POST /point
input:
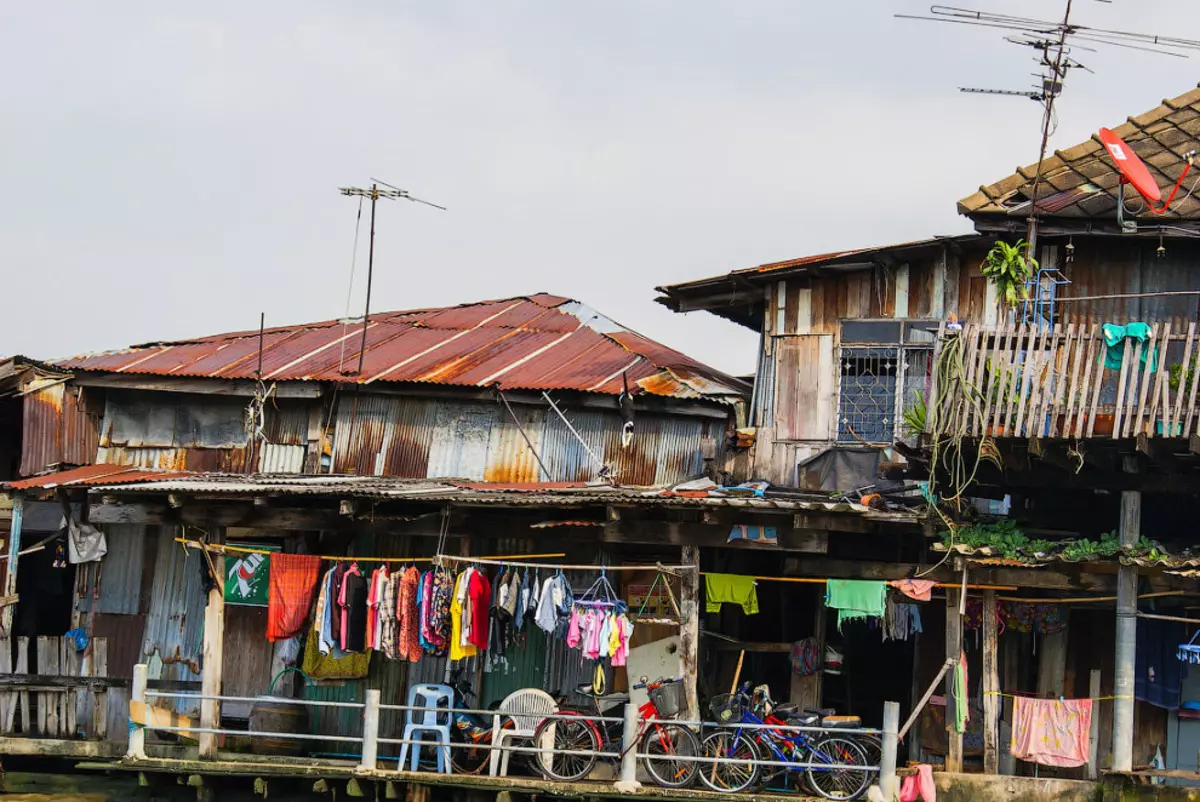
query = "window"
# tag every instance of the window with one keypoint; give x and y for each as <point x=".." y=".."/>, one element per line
<point x="883" y="366"/>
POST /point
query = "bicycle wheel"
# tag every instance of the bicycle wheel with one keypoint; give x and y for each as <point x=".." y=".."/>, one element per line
<point x="673" y="746"/>
<point x="725" y="775"/>
<point x="468" y="759"/>
<point x="844" y="782"/>
<point x="872" y="745"/>
<point x="566" y="735"/>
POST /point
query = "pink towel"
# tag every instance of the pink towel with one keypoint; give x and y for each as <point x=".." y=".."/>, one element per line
<point x="919" y="785"/>
<point x="1052" y="732"/>
<point x="919" y="589"/>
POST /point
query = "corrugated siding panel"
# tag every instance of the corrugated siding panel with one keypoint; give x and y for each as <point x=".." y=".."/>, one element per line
<point x="526" y="668"/>
<point x="287" y="424"/>
<point x="57" y="430"/>
<point x="121" y="572"/>
<point x="459" y="448"/>
<point x="172" y="644"/>
<point x="281" y="458"/>
<point x="679" y="455"/>
<point x="124" y="634"/>
<point x="565" y="457"/>
<point x="383" y="435"/>
<point x="636" y="463"/>
<point x="247" y="665"/>
<point x="144" y="457"/>
<point x="337" y="720"/>
<point x="509" y="456"/>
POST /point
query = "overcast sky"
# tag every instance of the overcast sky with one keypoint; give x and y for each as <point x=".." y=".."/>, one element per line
<point x="170" y="170"/>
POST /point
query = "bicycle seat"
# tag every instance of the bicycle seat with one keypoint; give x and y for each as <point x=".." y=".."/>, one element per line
<point x="820" y="711"/>
<point x="786" y="710"/>
<point x="841" y="722"/>
<point x="589" y="691"/>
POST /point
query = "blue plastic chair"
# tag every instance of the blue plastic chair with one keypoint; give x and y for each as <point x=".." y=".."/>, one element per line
<point x="435" y="717"/>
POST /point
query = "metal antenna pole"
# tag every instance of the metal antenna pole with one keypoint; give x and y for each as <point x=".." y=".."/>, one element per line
<point x="1056" y="78"/>
<point x="375" y="193"/>
<point x="362" y="350"/>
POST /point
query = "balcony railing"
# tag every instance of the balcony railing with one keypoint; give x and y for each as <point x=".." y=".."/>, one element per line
<point x="1026" y="382"/>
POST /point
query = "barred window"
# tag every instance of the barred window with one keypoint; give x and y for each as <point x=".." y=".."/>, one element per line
<point x="880" y="379"/>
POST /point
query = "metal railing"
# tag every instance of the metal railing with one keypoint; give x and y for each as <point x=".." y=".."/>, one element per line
<point x="633" y="729"/>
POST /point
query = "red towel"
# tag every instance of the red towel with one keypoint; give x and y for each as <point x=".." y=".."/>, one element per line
<point x="293" y="579"/>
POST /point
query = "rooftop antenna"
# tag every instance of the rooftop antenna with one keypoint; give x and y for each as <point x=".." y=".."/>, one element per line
<point x="375" y="193"/>
<point x="1053" y="41"/>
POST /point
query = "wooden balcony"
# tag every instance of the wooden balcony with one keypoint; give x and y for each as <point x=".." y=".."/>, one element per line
<point x="1022" y="381"/>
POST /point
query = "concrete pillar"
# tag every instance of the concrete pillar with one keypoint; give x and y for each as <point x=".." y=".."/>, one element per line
<point x="1127" y="581"/>
<point x="887" y="763"/>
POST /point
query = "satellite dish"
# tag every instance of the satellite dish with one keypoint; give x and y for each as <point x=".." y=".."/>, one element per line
<point x="1134" y="171"/>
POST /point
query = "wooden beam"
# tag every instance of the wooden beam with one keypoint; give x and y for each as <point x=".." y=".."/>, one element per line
<point x="689" y="628"/>
<point x="213" y="656"/>
<point x="239" y="387"/>
<point x="991" y="686"/>
<point x="51" y="747"/>
<point x="953" y="651"/>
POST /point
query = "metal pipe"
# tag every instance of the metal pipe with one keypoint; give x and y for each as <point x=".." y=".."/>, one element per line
<point x="887" y="761"/>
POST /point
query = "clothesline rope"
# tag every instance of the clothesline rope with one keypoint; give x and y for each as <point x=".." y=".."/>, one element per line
<point x="821" y="581"/>
<point x="505" y="562"/>
<point x="221" y="548"/>
<point x="1064" y="699"/>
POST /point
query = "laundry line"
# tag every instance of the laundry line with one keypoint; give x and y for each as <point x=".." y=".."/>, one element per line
<point x="221" y="549"/>
<point x="669" y="569"/>
<point x="821" y="581"/>
<point x="1052" y="699"/>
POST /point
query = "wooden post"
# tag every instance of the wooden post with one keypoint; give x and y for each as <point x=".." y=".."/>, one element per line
<point x="1093" y="765"/>
<point x="1127" y="580"/>
<point x="689" y="628"/>
<point x="214" y="636"/>
<point x="137" y="733"/>
<point x="14" y="547"/>
<point x="953" y="652"/>
<point x="991" y="686"/>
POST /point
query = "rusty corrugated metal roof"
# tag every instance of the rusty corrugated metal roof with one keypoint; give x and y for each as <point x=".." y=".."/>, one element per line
<point x="537" y="342"/>
<point x="94" y="475"/>
<point x="1082" y="181"/>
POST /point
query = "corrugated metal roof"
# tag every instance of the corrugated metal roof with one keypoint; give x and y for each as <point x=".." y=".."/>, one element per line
<point x="1082" y="182"/>
<point x="538" y="342"/>
<point x="92" y="475"/>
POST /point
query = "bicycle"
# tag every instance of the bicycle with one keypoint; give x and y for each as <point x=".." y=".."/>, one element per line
<point x="669" y="749"/>
<point x="473" y="731"/>
<point x="739" y="750"/>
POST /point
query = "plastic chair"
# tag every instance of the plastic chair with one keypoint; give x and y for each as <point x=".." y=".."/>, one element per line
<point x="526" y="708"/>
<point x="435" y="717"/>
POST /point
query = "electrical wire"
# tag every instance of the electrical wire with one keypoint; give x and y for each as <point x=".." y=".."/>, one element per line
<point x="350" y="287"/>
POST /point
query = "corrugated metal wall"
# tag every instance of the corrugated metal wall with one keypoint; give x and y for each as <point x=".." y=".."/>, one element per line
<point x="175" y="620"/>
<point x="121" y="570"/>
<point x="412" y="437"/>
<point x="57" y="430"/>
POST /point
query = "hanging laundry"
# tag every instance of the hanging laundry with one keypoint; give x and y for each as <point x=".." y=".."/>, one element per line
<point x="554" y="601"/>
<point x="460" y="608"/>
<point x="293" y="580"/>
<point x="1052" y="732"/>
<point x="379" y="579"/>
<point x="961" y="711"/>
<point x="765" y="535"/>
<point x="624" y="632"/>
<point x="1114" y="344"/>
<point x="323" y="616"/>
<point x="318" y="665"/>
<point x="919" y="786"/>
<point x="855" y="599"/>
<point x="917" y="589"/>
<point x="334" y="604"/>
<point x="352" y="599"/>
<point x="408" y="643"/>
<point x="900" y="620"/>
<point x="730" y="589"/>
<point x="479" y="594"/>
<point x="441" y="589"/>
<point x="806" y="657"/>
<point x="389" y="614"/>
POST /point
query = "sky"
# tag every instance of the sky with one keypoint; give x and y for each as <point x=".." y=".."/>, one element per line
<point x="171" y="170"/>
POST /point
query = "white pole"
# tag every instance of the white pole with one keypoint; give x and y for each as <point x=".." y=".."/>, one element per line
<point x="887" y="763"/>
<point x="370" y="749"/>
<point x="137" y="736"/>
<point x="628" y="782"/>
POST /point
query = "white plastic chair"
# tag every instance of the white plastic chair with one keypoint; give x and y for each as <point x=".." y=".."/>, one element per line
<point x="527" y="708"/>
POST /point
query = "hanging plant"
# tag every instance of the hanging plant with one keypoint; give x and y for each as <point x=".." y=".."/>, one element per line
<point x="1009" y="268"/>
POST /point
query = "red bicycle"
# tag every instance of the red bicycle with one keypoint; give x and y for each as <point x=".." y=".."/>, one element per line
<point x="668" y="750"/>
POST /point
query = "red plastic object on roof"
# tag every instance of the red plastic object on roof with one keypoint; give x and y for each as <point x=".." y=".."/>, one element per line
<point x="1131" y="167"/>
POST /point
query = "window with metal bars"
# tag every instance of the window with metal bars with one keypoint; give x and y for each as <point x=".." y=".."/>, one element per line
<point x="880" y="378"/>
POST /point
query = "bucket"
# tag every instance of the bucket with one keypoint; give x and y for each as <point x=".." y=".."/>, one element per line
<point x="270" y="715"/>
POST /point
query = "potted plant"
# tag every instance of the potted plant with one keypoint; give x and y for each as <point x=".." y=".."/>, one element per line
<point x="1009" y="268"/>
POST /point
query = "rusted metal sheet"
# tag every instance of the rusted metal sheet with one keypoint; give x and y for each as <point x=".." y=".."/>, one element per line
<point x="510" y="458"/>
<point x="124" y="633"/>
<point x="459" y="447"/>
<point x="91" y="475"/>
<point x="57" y="430"/>
<point x="281" y="458"/>
<point x="383" y="435"/>
<point x="533" y="342"/>
<point x="172" y="646"/>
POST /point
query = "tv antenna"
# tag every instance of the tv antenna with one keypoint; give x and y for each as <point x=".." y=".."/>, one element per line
<point x="1054" y="42"/>
<point x="388" y="192"/>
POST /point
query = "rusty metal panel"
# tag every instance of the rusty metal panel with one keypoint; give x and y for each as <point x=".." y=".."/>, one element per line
<point x="167" y="459"/>
<point x="172" y="644"/>
<point x="679" y="456"/>
<point x="287" y="423"/>
<point x="383" y="435"/>
<point x="281" y="458"/>
<point x="459" y="447"/>
<point x="124" y="633"/>
<point x="539" y="341"/>
<point x="564" y="455"/>
<point x="121" y="574"/>
<point x="57" y="430"/>
<point x="509" y="457"/>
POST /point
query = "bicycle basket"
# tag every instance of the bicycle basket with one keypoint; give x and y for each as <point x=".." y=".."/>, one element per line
<point x="668" y="699"/>
<point x="727" y="708"/>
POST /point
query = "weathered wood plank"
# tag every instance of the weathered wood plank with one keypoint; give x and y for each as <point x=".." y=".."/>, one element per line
<point x="1017" y="366"/>
<point x="1181" y="390"/>
<point x="689" y="627"/>
<point x="1156" y="394"/>
<point x="1074" y="389"/>
<point x="100" y="700"/>
<point x="23" y="697"/>
<point x="1063" y="378"/>
<point x="1119" y="416"/>
<point x="70" y="663"/>
<point x="8" y="699"/>
<point x="953" y="651"/>
<point x="1029" y="379"/>
<point x="991" y="381"/>
<point x="1011" y="345"/>
<point x="991" y="686"/>
<point x="1096" y="353"/>
<point x="971" y="400"/>
<point x="1148" y="350"/>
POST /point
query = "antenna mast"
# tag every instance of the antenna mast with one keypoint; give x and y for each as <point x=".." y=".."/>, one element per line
<point x="375" y="193"/>
<point x="1055" y="40"/>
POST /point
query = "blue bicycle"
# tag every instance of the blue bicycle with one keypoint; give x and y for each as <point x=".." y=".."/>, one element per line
<point x="835" y="766"/>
